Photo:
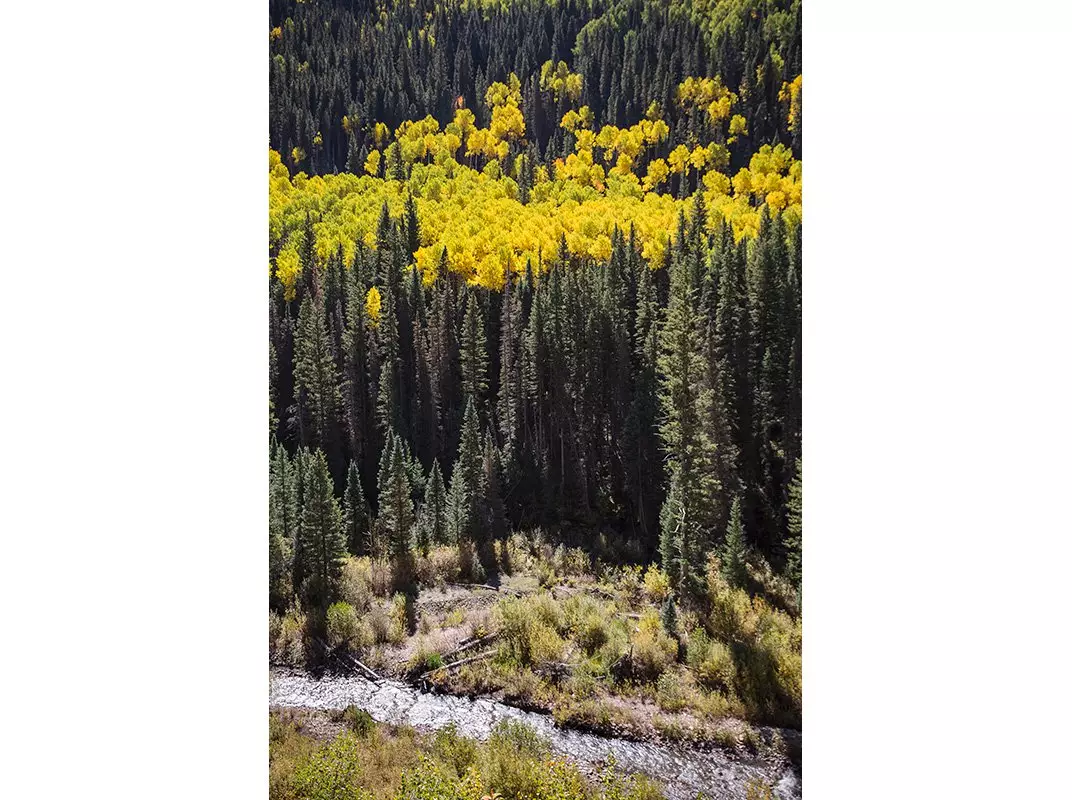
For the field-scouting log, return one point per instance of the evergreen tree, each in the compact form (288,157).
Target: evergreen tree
(396,515)
(466,500)
(314,372)
(356,515)
(793,542)
(691,507)
(735,548)
(474,353)
(433,523)
(323,545)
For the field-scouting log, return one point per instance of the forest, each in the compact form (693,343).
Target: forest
(535,302)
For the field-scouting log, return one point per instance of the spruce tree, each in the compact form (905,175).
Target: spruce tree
(356,514)
(474,353)
(314,371)
(465,502)
(323,545)
(433,522)
(794,542)
(691,508)
(735,548)
(396,515)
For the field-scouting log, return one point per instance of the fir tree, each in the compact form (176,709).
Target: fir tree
(396,515)
(687,408)
(465,502)
(314,371)
(323,545)
(735,548)
(433,523)
(356,514)
(474,353)
(793,542)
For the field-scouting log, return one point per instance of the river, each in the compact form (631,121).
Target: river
(684,771)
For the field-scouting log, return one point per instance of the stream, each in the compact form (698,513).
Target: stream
(684,771)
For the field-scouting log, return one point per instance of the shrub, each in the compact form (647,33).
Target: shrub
(671,693)
(381,579)
(358,720)
(453,750)
(441,565)
(341,624)
(454,618)
(380,624)
(656,584)
(651,651)
(528,633)
(400,616)
(355,584)
(712,662)
(509,758)
(588,620)
(290,644)
(331,772)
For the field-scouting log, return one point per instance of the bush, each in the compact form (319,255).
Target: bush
(355,584)
(528,630)
(358,720)
(331,772)
(453,750)
(656,584)
(509,758)
(290,643)
(588,620)
(341,624)
(712,662)
(652,651)
(380,625)
(671,693)
(381,578)
(400,616)
(441,565)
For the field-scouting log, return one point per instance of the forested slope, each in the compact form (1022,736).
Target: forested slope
(534,265)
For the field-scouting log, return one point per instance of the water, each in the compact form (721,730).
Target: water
(684,771)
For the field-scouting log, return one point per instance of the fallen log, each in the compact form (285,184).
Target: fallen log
(474,643)
(458,664)
(353,662)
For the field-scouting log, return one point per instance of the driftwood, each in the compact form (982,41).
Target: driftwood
(473,643)
(348,659)
(458,663)
(487,586)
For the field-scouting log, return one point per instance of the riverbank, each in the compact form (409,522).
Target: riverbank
(599,647)
(682,770)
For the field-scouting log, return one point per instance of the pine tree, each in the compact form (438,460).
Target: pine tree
(735,547)
(314,371)
(794,541)
(668,616)
(396,515)
(687,408)
(413,230)
(474,353)
(465,502)
(282,528)
(495,516)
(510,378)
(433,522)
(356,514)
(323,545)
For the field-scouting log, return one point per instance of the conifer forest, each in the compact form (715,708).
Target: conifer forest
(534,315)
